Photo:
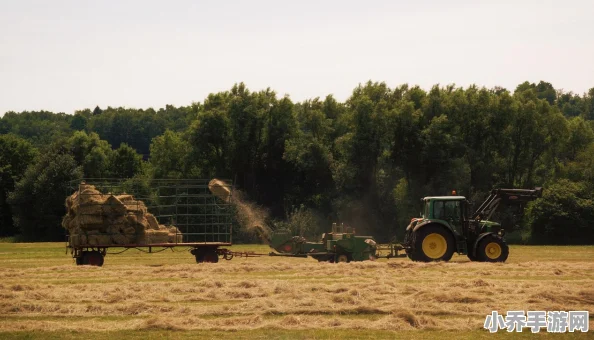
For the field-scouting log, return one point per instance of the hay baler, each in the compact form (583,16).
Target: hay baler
(340,245)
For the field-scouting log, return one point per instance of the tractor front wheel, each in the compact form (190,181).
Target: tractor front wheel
(432,243)
(492,249)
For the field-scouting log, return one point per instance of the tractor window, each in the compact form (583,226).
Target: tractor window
(452,210)
(439,210)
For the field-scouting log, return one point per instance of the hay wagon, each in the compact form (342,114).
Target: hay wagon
(148,215)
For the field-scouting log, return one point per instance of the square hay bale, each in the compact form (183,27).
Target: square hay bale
(137,207)
(114,229)
(87,222)
(128,230)
(66,221)
(90,209)
(173,230)
(120,239)
(125,198)
(89,196)
(131,219)
(99,239)
(113,207)
(77,239)
(220,189)
(157,236)
(174,234)
(174,238)
(152,221)
(141,224)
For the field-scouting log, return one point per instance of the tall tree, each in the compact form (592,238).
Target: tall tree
(38,197)
(16,154)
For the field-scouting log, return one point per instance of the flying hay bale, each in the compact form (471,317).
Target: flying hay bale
(220,189)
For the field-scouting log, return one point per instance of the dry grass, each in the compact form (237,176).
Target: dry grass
(42,290)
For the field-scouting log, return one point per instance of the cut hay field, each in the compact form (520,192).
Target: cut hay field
(136,295)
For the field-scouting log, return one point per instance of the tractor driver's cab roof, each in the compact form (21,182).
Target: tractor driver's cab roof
(444,198)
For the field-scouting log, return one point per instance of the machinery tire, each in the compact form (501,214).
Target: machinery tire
(345,258)
(92,258)
(409,240)
(199,254)
(411,254)
(432,243)
(79,260)
(210,256)
(492,249)
(471,250)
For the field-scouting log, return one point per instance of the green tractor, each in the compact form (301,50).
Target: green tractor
(446,226)
(340,245)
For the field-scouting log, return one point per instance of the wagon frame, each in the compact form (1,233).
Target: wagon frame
(204,220)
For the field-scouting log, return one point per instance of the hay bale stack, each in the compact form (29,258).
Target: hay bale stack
(93,218)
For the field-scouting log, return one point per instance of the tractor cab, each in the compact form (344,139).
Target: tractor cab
(452,210)
(455,211)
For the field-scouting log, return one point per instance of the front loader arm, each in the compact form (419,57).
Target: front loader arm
(506,196)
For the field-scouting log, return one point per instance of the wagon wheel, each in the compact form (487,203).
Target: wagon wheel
(210,256)
(92,258)
(79,260)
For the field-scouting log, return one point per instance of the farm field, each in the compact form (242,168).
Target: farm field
(43,294)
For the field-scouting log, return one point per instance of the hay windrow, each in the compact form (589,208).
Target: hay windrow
(170,291)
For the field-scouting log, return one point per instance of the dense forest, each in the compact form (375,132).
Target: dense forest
(366,161)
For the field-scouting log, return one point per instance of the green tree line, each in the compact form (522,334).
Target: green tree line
(365,161)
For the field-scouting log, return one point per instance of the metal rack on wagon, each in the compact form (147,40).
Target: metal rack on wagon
(185,213)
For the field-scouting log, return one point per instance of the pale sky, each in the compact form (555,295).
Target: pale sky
(62,55)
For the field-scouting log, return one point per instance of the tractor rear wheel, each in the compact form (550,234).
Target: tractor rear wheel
(343,258)
(432,243)
(492,249)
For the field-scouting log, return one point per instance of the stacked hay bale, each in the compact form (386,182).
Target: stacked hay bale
(94,218)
